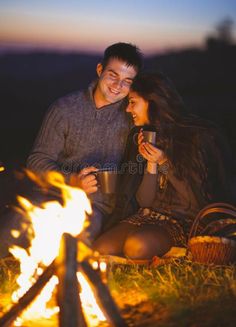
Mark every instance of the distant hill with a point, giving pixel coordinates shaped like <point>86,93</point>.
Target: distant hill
<point>29,83</point>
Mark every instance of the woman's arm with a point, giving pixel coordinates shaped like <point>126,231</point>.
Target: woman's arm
<point>147,190</point>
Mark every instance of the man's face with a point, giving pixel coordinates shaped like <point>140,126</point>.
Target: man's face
<point>114,81</point>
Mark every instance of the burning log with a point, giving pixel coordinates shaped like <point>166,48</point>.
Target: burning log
<point>64,266</point>
<point>8,318</point>
<point>103,295</point>
<point>71,314</point>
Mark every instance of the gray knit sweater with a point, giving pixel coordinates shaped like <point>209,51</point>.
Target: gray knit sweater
<point>75,134</point>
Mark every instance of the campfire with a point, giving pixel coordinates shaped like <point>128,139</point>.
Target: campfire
<point>59,265</point>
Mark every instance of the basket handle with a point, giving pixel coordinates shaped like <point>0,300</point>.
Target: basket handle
<point>220,207</point>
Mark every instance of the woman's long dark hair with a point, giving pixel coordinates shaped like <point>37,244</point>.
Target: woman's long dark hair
<point>180,136</point>
<point>177,130</point>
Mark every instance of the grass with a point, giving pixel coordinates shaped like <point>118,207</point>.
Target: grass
<point>179,293</point>
<point>9,270</point>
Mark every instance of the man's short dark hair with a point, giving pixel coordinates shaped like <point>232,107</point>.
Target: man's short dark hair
<point>126,52</point>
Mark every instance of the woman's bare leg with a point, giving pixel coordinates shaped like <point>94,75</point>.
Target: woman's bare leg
<point>112,241</point>
<point>146,242</point>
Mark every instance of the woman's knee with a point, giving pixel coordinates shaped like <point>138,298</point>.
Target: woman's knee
<point>112,241</point>
<point>104,245</point>
<point>146,243</point>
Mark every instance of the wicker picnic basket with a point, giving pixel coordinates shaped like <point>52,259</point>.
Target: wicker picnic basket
<point>212,238</point>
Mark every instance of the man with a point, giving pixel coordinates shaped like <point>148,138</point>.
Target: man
<point>87,129</point>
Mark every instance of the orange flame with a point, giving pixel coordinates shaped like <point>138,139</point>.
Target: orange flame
<point>49,222</point>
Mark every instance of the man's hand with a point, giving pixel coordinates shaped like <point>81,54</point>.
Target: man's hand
<point>85,180</point>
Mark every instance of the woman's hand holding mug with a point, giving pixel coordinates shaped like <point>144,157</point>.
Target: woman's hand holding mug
<point>151,153</point>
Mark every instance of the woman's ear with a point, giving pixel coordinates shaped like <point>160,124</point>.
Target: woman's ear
<point>99,69</point>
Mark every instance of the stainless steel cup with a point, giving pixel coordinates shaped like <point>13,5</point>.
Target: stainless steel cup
<point>107,181</point>
<point>150,136</point>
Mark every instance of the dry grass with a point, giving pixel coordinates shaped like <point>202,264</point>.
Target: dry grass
<point>9,270</point>
<point>180,293</point>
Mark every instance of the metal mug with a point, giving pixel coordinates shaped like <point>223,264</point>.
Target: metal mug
<point>107,181</point>
<point>150,137</point>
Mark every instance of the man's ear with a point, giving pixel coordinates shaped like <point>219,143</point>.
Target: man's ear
<point>99,69</point>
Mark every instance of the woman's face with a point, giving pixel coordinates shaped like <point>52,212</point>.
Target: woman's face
<point>138,108</point>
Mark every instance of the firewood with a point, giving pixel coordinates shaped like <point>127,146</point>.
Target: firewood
<point>71,314</point>
<point>102,295</point>
<point>8,318</point>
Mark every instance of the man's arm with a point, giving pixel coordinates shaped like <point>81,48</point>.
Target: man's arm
<point>49,143</point>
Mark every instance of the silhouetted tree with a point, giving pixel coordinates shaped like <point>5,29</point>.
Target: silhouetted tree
<point>223,36</point>
<point>224,29</point>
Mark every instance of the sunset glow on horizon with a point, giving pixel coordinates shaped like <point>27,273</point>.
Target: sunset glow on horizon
<point>154,26</point>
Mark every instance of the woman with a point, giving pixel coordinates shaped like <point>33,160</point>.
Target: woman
<point>183,171</point>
